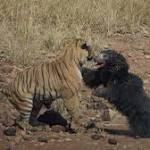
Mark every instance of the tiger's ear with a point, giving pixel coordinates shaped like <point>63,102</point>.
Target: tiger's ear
<point>87,46</point>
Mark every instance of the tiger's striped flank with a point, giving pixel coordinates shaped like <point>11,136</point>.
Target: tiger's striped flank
<point>41,85</point>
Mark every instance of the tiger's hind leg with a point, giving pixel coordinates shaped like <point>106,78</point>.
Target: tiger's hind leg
<point>25,108</point>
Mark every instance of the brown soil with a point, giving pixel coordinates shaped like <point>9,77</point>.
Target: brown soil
<point>116,135</point>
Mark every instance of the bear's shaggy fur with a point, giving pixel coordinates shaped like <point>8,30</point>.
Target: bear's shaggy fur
<point>122,89</point>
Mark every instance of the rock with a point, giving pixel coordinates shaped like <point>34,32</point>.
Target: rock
<point>47,128</point>
<point>34,129</point>
<point>55,136</point>
<point>112,141</point>
<point>90,124</point>
<point>10,131</point>
<point>68,139</point>
<point>124,146</point>
<point>52,140</point>
<point>146,81</point>
<point>43,139</point>
<point>60,140</point>
<point>147,56</point>
<point>41,144</point>
<point>58,128</point>
<point>105,116</point>
<point>95,136</point>
<point>27,137</point>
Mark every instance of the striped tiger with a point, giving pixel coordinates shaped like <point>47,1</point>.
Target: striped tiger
<point>51,80</point>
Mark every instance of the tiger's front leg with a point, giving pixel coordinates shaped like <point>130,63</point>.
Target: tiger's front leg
<point>72,106</point>
<point>23,124</point>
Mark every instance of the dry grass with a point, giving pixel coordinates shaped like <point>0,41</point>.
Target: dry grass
<point>31,29</point>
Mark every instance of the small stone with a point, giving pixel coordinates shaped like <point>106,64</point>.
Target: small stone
<point>10,131</point>
<point>124,146</point>
<point>58,128</point>
<point>106,46</point>
<point>68,139</point>
<point>55,136</point>
<point>47,128</point>
<point>27,138</point>
<point>52,140</point>
<point>2,52</point>
<point>43,139</point>
<point>112,141</point>
<point>98,116</point>
<point>147,56</point>
<point>95,136</point>
<point>90,124</point>
<point>105,115</point>
<point>60,141</point>
<point>33,129</point>
<point>146,81</point>
<point>41,144</point>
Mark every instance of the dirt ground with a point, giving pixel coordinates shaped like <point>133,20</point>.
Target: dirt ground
<point>116,136</point>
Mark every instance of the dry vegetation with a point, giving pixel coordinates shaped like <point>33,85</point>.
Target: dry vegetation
<point>32,29</point>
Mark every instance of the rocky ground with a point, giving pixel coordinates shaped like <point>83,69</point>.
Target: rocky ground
<point>103,128</point>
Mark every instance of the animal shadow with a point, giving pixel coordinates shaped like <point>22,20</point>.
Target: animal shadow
<point>52,118</point>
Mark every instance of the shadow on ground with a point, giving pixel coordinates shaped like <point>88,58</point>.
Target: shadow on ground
<point>52,118</point>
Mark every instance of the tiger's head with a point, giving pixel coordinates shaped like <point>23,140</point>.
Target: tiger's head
<point>78,50</point>
<point>84,50</point>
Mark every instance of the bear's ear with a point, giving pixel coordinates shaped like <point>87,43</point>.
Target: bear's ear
<point>86,46</point>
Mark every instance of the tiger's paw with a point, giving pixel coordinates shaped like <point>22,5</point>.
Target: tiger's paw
<point>23,125</point>
<point>77,126</point>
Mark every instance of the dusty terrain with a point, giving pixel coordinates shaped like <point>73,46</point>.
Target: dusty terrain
<point>116,135</point>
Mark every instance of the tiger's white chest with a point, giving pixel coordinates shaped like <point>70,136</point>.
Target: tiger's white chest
<point>79,73</point>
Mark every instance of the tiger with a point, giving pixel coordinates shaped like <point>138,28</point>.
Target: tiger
<point>51,80</point>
